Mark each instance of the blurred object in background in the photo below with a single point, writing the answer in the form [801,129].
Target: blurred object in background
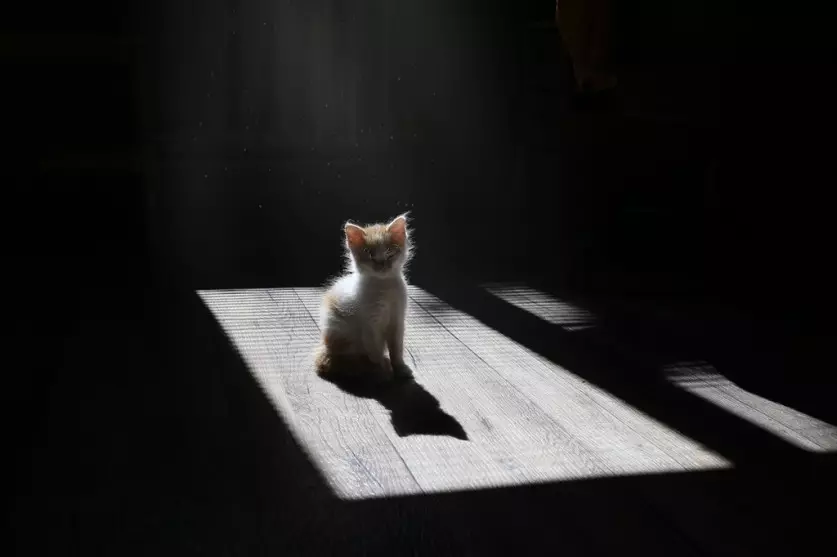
[585,27]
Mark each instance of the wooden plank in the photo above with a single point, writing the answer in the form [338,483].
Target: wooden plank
[578,435]
[276,337]
[511,441]
[702,379]
[623,439]
[568,316]
[802,430]
[808,432]
[506,432]
[571,317]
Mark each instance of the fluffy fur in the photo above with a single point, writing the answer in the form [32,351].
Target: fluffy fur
[362,314]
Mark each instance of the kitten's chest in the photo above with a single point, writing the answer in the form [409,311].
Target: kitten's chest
[381,307]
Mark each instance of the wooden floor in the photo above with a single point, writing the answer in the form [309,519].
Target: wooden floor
[172,423]
[698,377]
[483,410]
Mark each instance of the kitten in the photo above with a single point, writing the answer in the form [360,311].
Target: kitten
[363,311]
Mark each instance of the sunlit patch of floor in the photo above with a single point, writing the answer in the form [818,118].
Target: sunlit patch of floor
[703,380]
[526,419]
[552,310]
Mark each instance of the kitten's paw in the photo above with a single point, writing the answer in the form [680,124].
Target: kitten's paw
[322,360]
[385,369]
[402,370]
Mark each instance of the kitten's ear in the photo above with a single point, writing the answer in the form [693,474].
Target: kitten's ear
[355,236]
[398,229]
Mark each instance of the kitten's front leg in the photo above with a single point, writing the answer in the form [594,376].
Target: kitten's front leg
[374,346]
[395,344]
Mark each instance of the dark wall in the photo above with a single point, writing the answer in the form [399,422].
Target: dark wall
[456,111]
[273,121]
[777,107]
[726,191]
[71,123]
[278,121]
[238,136]
[74,222]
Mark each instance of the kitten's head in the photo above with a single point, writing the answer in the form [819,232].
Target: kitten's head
[379,250]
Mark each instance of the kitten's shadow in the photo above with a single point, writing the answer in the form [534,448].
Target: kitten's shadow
[413,410]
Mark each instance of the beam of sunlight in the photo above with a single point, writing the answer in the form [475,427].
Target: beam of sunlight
[703,380]
[525,419]
[551,310]
[698,378]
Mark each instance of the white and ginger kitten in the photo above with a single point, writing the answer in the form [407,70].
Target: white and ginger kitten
[363,311]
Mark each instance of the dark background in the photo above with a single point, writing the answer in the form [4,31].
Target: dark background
[154,148]
[708,176]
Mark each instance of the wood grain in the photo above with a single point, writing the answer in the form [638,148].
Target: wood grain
[506,431]
[511,440]
[276,337]
[623,439]
[802,430]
